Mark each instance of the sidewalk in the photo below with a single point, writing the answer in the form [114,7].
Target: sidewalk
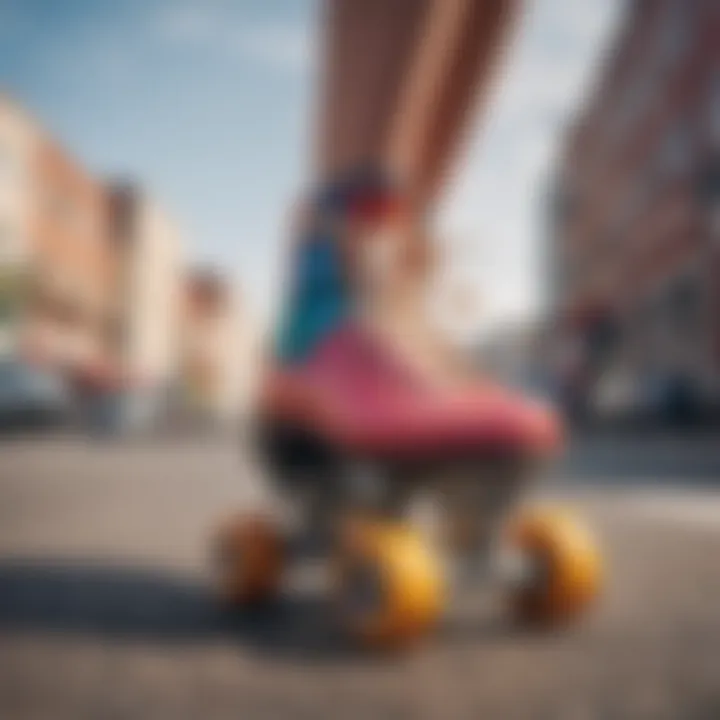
[644,455]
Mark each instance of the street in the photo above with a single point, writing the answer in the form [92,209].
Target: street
[106,605]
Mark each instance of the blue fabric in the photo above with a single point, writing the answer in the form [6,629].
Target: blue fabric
[336,196]
[319,299]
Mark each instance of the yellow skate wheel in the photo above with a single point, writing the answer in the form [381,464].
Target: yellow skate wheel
[389,584]
[562,566]
[249,552]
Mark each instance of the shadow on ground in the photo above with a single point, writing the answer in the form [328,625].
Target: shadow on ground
[127,603]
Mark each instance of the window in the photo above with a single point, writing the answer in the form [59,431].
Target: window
[9,245]
[60,206]
[7,164]
[675,154]
[708,182]
[714,110]
[675,32]
[565,204]
[685,303]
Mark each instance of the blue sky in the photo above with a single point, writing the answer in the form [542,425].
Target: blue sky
[208,103]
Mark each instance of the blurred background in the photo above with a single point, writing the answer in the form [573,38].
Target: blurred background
[150,153]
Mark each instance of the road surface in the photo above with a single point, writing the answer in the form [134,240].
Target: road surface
[106,609]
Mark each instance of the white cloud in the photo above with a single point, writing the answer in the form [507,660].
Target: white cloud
[285,47]
[187,24]
[496,196]
[275,44]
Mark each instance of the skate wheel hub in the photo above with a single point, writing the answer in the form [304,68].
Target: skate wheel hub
[389,583]
[249,554]
[558,566]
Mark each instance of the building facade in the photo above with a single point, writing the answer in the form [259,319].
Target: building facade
[149,250]
[94,289]
[17,151]
[216,348]
[635,248]
[59,270]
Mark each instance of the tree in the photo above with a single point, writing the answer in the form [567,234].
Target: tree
[13,290]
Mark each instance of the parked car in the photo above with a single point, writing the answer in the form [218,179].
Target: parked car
[32,397]
[664,398]
[679,401]
[618,396]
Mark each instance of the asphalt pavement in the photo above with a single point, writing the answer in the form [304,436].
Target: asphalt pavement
[107,610]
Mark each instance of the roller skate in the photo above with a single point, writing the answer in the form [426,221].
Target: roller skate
[355,428]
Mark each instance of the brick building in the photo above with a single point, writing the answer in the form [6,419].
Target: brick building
[94,288]
[54,228]
[635,251]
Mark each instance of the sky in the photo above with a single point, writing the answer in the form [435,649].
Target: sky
[208,104]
